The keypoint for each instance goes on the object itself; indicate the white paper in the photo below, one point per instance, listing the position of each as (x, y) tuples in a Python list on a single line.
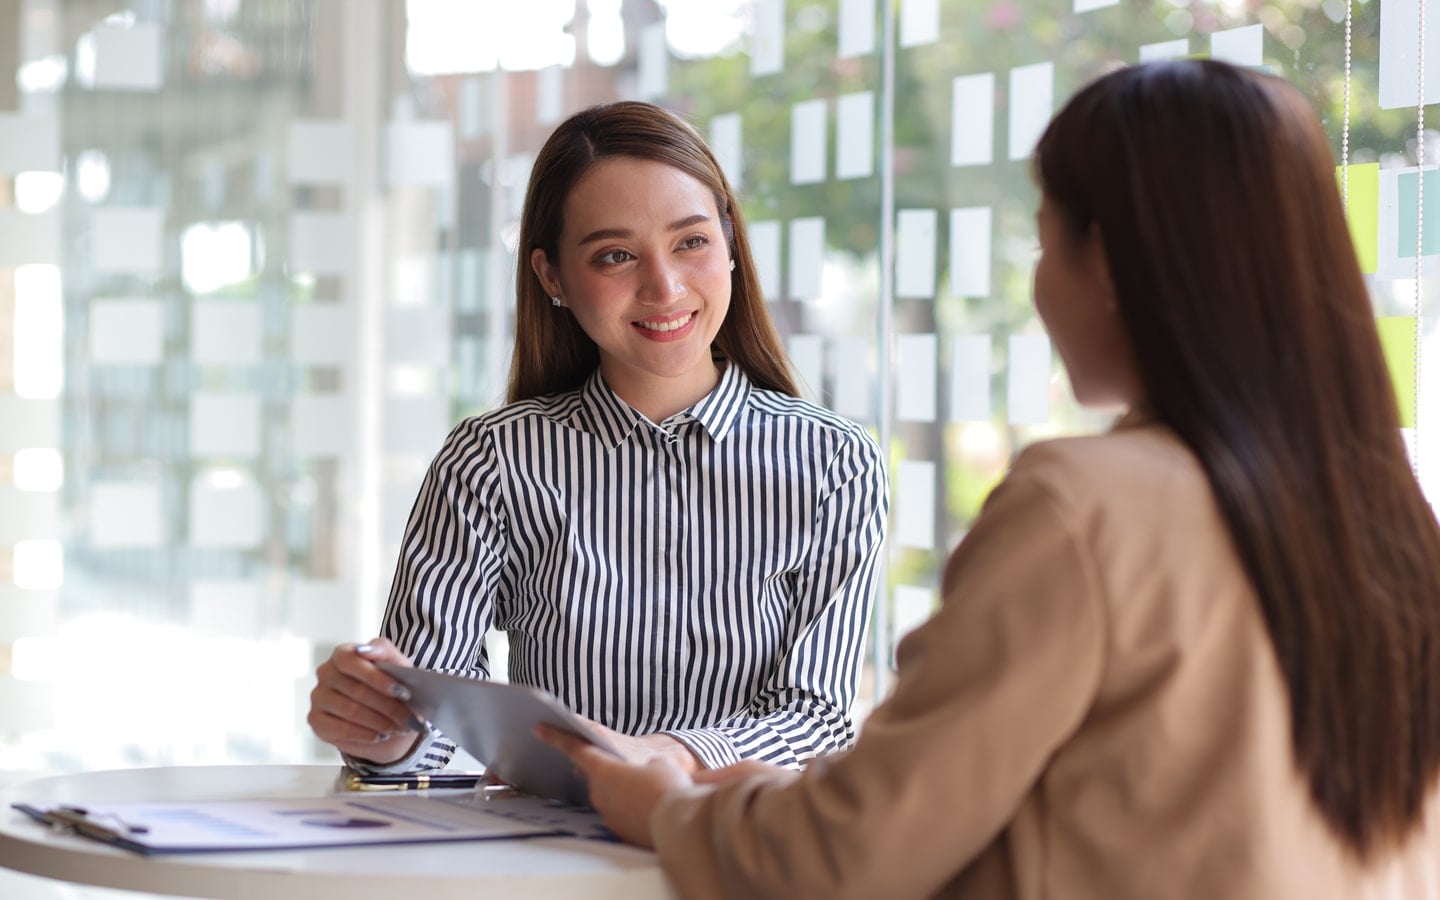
[(225, 333), (550, 95), (470, 114), (807, 359), (127, 240), (1241, 46), (725, 143), (226, 515), (126, 515), (225, 425), (322, 425), (1165, 50), (322, 334), (767, 48), (226, 609), (415, 425), (807, 258), (807, 142), (970, 252), (972, 130), (913, 608), (1399, 50), (1087, 5), (970, 378), (129, 58), (857, 28), (855, 135), (321, 610), (321, 151), (1032, 90), (27, 238), (915, 389), (1028, 387), (26, 422), (322, 243), (915, 253), (915, 505), (417, 335), (654, 62), (29, 143), (853, 379), (919, 22), (28, 515), (765, 250), (419, 154), (126, 332)]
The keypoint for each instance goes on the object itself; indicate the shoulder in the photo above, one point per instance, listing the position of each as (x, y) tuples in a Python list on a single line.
[(776, 409), (1140, 459), (481, 432)]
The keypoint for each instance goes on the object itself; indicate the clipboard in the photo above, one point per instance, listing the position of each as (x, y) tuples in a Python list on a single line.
[(494, 721)]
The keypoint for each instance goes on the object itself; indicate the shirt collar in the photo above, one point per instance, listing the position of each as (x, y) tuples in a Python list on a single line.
[(602, 413)]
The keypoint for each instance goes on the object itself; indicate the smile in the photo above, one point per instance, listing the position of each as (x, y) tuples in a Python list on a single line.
[(672, 325)]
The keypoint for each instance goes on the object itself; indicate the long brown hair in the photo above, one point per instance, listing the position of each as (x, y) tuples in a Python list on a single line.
[(552, 353), (1215, 195)]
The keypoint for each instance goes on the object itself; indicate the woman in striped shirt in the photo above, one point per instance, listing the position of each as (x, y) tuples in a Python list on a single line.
[(676, 545)]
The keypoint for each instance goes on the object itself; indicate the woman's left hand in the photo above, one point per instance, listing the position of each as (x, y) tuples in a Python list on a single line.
[(624, 793)]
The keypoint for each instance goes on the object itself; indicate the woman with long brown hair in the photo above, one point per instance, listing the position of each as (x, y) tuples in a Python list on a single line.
[(677, 545), (1195, 656)]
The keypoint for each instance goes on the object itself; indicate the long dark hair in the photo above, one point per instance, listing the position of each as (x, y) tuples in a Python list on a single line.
[(552, 353), (1215, 195)]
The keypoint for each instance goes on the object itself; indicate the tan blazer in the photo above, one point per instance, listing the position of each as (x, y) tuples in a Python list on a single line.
[(1095, 712)]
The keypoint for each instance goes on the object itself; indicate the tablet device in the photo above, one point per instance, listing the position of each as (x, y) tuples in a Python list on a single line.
[(495, 721)]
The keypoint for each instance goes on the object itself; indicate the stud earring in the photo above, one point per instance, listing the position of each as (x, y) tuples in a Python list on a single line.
[(555, 301), (732, 265)]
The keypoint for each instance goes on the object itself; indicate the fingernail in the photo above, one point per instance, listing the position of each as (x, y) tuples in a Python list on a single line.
[(399, 691), (364, 649), (382, 737)]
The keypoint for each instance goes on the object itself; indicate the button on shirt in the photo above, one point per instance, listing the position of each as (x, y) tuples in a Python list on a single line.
[(709, 576)]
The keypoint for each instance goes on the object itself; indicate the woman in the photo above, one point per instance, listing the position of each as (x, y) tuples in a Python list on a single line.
[(1198, 655), (678, 547)]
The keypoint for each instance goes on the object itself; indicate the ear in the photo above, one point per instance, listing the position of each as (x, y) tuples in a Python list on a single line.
[(1099, 263), (540, 263)]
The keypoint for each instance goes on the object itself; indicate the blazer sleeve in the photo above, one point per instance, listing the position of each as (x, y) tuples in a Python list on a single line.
[(803, 709), (987, 690)]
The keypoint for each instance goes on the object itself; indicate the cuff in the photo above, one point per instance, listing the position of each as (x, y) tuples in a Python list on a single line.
[(432, 751), (714, 750)]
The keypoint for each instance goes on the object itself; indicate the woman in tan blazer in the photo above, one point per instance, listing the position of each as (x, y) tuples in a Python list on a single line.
[(1196, 656)]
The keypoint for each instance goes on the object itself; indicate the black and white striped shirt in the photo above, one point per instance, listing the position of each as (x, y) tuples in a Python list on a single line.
[(709, 577)]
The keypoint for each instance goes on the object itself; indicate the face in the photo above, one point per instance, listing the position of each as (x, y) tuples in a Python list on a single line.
[(1076, 300), (644, 267)]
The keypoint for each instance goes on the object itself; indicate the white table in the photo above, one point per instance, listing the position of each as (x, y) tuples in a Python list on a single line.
[(520, 869)]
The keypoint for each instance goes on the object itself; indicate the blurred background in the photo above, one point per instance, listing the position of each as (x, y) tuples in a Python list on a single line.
[(257, 257)]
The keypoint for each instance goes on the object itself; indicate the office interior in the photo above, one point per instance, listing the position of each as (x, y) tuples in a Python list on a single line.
[(257, 257)]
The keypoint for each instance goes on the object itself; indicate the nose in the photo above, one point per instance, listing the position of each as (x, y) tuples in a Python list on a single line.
[(661, 282)]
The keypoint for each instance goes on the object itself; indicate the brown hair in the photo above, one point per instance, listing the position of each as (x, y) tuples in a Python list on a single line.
[(1214, 192), (552, 353)]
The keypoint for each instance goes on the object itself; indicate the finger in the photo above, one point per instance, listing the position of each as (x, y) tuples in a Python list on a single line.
[(358, 702)]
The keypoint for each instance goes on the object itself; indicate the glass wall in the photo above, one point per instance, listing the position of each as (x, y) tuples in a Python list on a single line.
[(256, 258)]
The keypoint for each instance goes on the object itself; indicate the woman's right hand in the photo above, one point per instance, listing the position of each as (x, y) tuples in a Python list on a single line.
[(359, 709)]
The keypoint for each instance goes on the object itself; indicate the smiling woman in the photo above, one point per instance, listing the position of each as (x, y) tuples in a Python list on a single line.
[(678, 547)]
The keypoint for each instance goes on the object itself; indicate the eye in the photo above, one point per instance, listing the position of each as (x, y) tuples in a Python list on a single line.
[(614, 257), (694, 242)]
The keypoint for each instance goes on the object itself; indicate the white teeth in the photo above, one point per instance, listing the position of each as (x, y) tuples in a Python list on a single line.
[(667, 326)]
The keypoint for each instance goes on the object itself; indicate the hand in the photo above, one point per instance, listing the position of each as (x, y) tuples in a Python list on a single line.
[(361, 710), (624, 793), (639, 750)]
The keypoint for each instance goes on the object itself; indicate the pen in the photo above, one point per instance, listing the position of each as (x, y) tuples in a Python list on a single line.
[(418, 781)]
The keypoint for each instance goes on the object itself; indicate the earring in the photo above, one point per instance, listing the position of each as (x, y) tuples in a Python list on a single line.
[(556, 301), (732, 265)]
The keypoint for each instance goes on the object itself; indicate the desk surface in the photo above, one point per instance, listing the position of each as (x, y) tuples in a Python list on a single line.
[(532, 868)]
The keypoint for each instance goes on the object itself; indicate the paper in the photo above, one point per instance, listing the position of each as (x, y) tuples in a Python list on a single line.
[(225, 333), (807, 142), (320, 152), (853, 379), (912, 608), (1361, 189), (970, 252), (807, 258), (226, 513), (129, 57), (654, 62), (1028, 391), (29, 238), (1240, 46), (322, 334), (127, 240), (725, 143), (321, 425), (1163, 50), (1032, 91), (29, 143), (1088, 5), (225, 425), (417, 335), (126, 514), (28, 422), (765, 251), (915, 391), (322, 243), (1397, 339), (915, 505), (807, 358), (857, 28), (550, 95), (419, 154), (226, 609), (26, 515), (919, 22), (767, 48), (471, 120), (855, 135), (972, 130), (1400, 50), (915, 254), (415, 425), (1407, 206), (321, 610), (970, 378), (126, 332)]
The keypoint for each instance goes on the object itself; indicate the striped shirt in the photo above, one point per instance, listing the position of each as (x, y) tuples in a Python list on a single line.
[(709, 577)]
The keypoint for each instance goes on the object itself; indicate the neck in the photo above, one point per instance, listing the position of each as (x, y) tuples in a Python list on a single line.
[(660, 398)]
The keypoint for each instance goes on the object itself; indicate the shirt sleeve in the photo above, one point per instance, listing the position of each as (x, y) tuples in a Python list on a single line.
[(987, 690), (803, 708), (442, 597)]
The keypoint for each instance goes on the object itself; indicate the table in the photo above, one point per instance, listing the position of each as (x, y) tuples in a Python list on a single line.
[(521, 869)]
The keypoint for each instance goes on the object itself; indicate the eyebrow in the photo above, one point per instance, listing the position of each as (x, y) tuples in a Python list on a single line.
[(605, 234)]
